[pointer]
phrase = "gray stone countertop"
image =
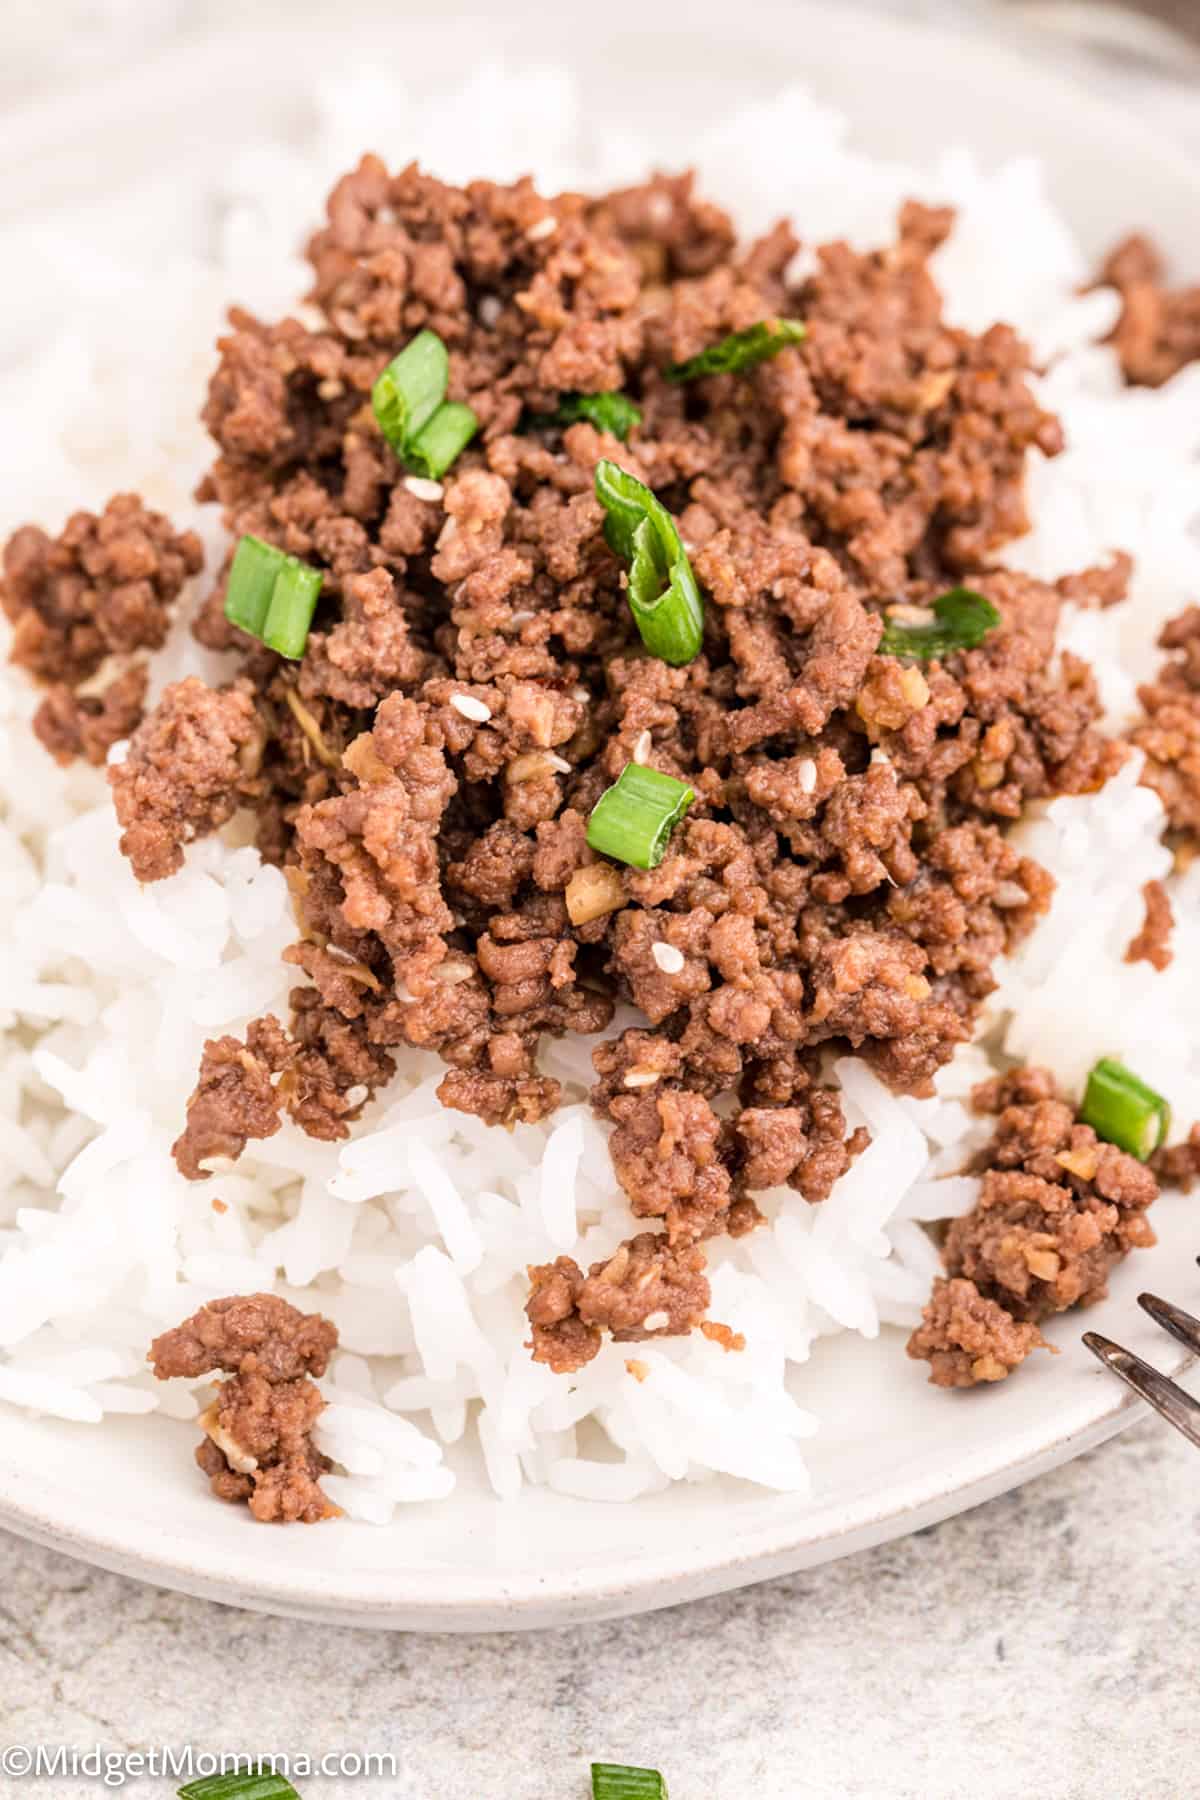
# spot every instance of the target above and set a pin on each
(1042, 1645)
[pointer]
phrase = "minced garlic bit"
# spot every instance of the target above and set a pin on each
(593, 891)
(669, 959)
(237, 1458)
(470, 708)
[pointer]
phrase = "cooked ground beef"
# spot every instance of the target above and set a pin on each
(104, 588)
(1058, 1209)
(258, 1445)
(1153, 942)
(1158, 332)
(474, 681)
(1169, 732)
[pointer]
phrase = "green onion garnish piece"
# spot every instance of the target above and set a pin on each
(272, 595)
(448, 432)
(256, 1784)
(617, 1781)
(740, 350)
(411, 388)
(1124, 1111)
(615, 413)
(252, 579)
(634, 818)
(663, 596)
(293, 603)
(962, 619)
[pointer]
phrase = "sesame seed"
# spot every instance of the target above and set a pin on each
(642, 747)
(656, 1321)
(559, 764)
(640, 1078)
(808, 775)
(489, 310)
(1009, 893)
(879, 756)
(403, 995)
(470, 708)
(668, 958)
(422, 489)
(543, 228)
(354, 1096)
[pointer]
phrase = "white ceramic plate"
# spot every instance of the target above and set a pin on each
(901, 1455)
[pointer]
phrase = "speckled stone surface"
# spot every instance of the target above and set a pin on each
(1043, 1645)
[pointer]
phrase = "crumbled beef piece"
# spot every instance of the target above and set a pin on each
(647, 1288)
(235, 1098)
(1057, 1210)
(105, 585)
(1168, 734)
(191, 763)
(1178, 1165)
(1158, 332)
(258, 1448)
(966, 1338)
(1152, 944)
(71, 725)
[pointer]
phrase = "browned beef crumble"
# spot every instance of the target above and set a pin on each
(1058, 1209)
(1168, 734)
(1152, 944)
(258, 1446)
(1158, 331)
(103, 589)
(842, 879)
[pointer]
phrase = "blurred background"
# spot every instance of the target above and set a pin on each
(1146, 48)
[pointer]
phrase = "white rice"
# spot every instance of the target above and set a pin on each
(414, 1236)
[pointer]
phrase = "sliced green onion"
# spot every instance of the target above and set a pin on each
(617, 1781)
(1120, 1108)
(962, 619)
(663, 596)
(614, 413)
(411, 388)
(448, 432)
(740, 350)
(632, 820)
(272, 595)
(250, 1784)
(252, 577)
(293, 603)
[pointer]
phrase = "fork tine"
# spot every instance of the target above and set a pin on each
(1172, 1318)
(1169, 1401)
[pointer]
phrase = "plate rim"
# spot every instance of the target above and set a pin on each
(473, 1599)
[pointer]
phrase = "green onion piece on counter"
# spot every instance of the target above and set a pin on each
(293, 603)
(961, 620)
(411, 388)
(255, 1784)
(272, 596)
(663, 596)
(615, 413)
(632, 821)
(617, 1781)
(1121, 1109)
(448, 432)
(740, 350)
(252, 579)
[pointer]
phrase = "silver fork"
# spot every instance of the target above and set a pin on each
(1166, 1397)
